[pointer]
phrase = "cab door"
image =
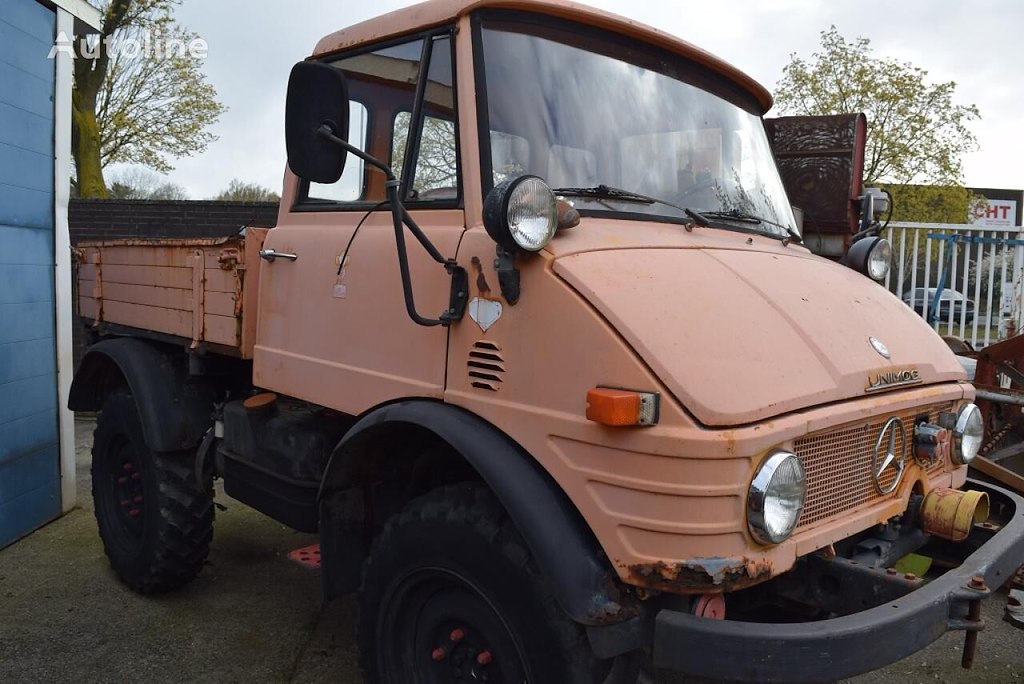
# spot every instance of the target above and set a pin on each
(333, 327)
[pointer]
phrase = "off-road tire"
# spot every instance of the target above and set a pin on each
(155, 524)
(452, 560)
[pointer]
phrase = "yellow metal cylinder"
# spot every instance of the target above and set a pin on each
(951, 513)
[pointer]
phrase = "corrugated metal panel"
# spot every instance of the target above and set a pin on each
(32, 95)
(27, 33)
(29, 445)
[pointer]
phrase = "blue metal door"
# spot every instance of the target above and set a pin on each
(29, 444)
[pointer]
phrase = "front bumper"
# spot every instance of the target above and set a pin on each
(826, 650)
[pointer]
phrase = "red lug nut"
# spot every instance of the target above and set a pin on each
(457, 635)
(438, 654)
(484, 658)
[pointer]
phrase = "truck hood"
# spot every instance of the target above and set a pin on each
(743, 335)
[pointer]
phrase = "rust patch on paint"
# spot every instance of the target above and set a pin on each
(701, 574)
(568, 216)
(481, 280)
(612, 604)
(229, 258)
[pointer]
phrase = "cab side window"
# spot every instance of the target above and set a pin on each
(351, 186)
(403, 116)
(435, 173)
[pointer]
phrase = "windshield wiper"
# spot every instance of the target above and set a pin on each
(701, 218)
(612, 193)
(743, 217)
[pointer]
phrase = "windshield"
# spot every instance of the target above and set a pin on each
(583, 109)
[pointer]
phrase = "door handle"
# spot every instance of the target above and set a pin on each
(270, 255)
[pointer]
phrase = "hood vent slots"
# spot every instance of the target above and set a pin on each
(486, 366)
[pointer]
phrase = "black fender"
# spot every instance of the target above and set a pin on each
(562, 544)
(175, 412)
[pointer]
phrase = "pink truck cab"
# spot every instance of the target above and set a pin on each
(537, 350)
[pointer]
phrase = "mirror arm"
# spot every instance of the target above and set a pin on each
(460, 280)
(434, 253)
(403, 257)
(327, 133)
(400, 217)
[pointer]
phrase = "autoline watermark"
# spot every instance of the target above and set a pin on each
(147, 45)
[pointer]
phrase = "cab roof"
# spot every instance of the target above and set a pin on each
(437, 12)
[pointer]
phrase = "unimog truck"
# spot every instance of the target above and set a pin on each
(536, 349)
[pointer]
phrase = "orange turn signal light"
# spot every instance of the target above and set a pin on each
(611, 406)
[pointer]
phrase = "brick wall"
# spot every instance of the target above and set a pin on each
(94, 219)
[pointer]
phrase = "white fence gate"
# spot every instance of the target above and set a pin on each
(983, 265)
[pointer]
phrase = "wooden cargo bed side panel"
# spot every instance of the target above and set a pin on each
(153, 276)
(221, 330)
(193, 289)
(169, 321)
(222, 304)
(162, 297)
(87, 307)
(138, 255)
(218, 280)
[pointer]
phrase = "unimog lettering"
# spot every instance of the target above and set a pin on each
(890, 379)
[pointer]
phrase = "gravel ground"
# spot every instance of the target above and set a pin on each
(254, 616)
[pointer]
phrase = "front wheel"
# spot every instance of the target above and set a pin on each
(155, 524)
(451, 594)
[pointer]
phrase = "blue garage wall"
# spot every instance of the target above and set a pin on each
(29, 444)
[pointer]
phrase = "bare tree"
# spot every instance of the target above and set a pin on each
(140, 95)
(141, 183)
(238, 191)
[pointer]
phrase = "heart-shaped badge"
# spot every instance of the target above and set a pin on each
(485, 312)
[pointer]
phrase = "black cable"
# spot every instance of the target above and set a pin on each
(892, 208)
(344, 256)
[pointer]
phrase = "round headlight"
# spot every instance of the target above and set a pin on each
(521, 213)
(776, 497)
(967, 434)
(870, 256)
(879, 260)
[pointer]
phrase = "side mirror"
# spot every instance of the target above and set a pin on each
(874, 203)
(317, 97)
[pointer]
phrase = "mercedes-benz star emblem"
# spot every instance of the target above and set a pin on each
(890, 455)
(879, 346)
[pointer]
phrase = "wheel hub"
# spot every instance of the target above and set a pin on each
(128, 490)
(452, 631)
(464, 657)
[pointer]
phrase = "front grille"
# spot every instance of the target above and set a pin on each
(837, 463)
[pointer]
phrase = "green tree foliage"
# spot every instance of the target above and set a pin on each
(138, 106)
(932, 203)
(917, 133)
(237, 191)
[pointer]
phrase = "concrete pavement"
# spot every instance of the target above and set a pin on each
(251, 615)
(254, 616)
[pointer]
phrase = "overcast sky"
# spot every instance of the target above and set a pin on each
(252, 46)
